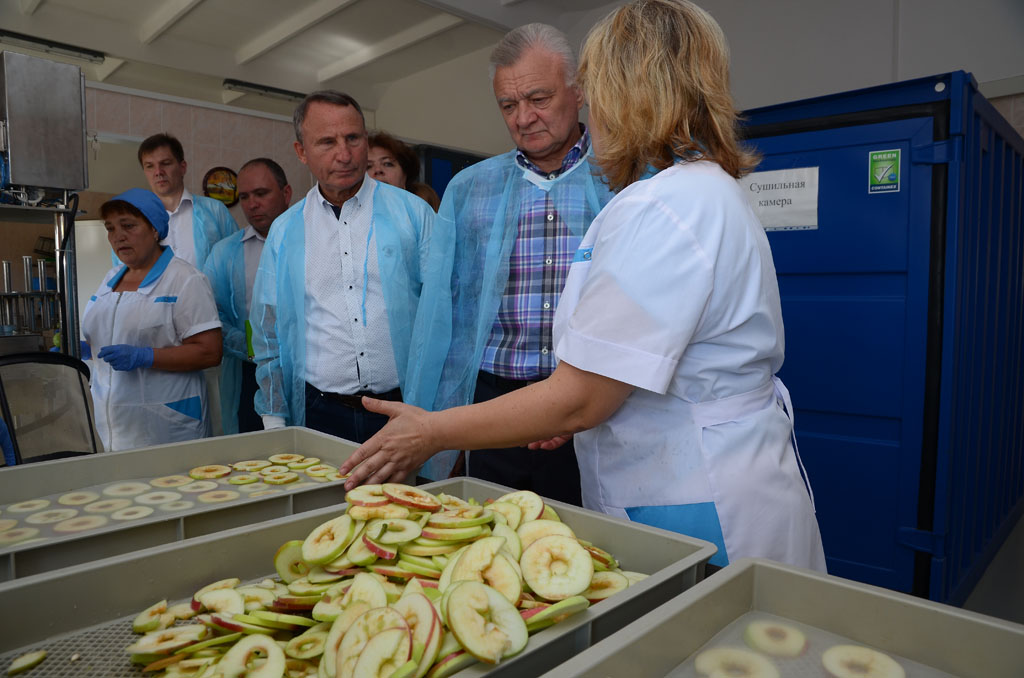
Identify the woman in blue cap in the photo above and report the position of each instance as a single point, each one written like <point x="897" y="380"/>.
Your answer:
<point x="154" y="323"/>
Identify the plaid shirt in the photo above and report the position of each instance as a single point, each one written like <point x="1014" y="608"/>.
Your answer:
<point x="520" y="346"/>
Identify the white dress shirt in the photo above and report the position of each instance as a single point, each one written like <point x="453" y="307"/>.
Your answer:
<point x="346" y="351"/>
<point x="179" y="232"/>
<point x="252" y="248"/>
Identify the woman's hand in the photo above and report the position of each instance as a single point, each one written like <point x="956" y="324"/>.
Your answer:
<point x="124" y="357"/>
<point x="550" y="443"/>
<point x="396" y="450"/>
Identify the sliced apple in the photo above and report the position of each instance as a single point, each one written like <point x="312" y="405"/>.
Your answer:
<point x="25" y="662"/>
<point x="209" y="472"/>
<point x="149" y="619"/>
<point x="360" y="554"/>
<point x="78" y="498"/>
<point x="545" y="615"/>
<point x="392" y="531"/>
<point x="228" y="583"/>
<point x="451" y="664"/>
<point x="734" y="661"/>
<point x="289" y="602"/>
<point x="307" y="645"/>
<point x="240" y="660"/>
<point x="468" y="516"/>
<point x="415" y="549"/>
<point x="245" y="479"/>
<point x="426" y="628"/>
<point x="304" y="587"/>
<point x="549" y="513"/>
<point x="182" y="611"/>
<point x="303" y="463"/>
<point x="282" y="478"/>
<point x="209" y="642"/>
<point x="380" y="550"/>
<point x="80" y="523"/>
<point x="222" y="620"/>
<point x="512" y="543"/>
<point x="354" y="640"/>
<point x="454" y="533"/>
<point x="606" y="560"/>
<point x="529" y="502"/>
<point x="413" y="497"/>
<point x="775" y="638"/>
<point x="292" y="620"/>
<point x="385" y="511"/>
<point x="484" y="622"/>
<point x="383" y="655"/>
<point x="511" y="512"/>
<point x="321" y="470"/>
<point x="327" y="541"/>
<point x="604" y="585"/>
<point x="197" y="486"/>
<point x="165" y="482"/>
<point x="289" y="563"/>
<point x="450" y="501"/>
<point x="222" y="600"/>
<point x="557" y="567"/>
<point x="166" y="641"/>
<point x="54" y="515"/>
<point x="367" y="495"/>
<point x="849" y="661"/>
<point x="535" y="529"/>
<point x="251" y="465"/>
<point x="107" y="505"/>
<point x="128" y="489"/>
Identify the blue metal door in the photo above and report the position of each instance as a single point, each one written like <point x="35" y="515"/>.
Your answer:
<point x="855" y="304"/>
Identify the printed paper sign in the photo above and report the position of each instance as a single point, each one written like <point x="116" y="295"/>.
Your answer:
<point x="784" y="200"/>
<point x="884" y="171"/>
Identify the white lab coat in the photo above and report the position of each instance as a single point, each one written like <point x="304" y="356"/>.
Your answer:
<point x="673" y="290"/>
<point x="146" y="407"/>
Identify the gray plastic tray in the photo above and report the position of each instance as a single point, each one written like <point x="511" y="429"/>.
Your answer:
<point x="30" y="481"/>
<point x="946" y="638"/>
<point x="88" y="610"/>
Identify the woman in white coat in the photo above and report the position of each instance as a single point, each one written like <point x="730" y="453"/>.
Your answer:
<point x="153" y="327"/>
<point x="669" y="330"/>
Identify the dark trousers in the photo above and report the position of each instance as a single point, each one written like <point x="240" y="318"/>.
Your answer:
<point x="248" y="420"/>
<point x="334" y="418"/>
<point x="550" y="473"/>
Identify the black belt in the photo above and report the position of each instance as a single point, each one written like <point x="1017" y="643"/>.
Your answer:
<point x="355" y="400"/>
<point x="504" y="383"/>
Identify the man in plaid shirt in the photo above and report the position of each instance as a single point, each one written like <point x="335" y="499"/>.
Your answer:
<point x="514" y="222"/>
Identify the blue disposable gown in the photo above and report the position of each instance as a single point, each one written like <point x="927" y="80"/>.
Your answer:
<point x="401" y="228"/>
<point x="225" y="269"/>
<point x="467" y="271"/>
<point x="211" y="223"/>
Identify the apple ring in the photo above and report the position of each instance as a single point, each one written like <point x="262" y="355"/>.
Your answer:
<point x="7" y="523"/>
<point x="250" y="465"/>
<point x="177" y="505"/>
<point x="280" y="478"/>
<point x="78" y="498"/>
<point x="734" y="661"/>
<point x="125" y="489"/>
<point x="198" y="486"/>
<point x="264" y="493"/>
<point x="271" y="470"/>
<point x="170" y="481"/>
<point x="132" y="513"/>
<point x="17" y="534"/>
<point x="244" y="479"/>
<point x="320" y="470"/>
<point x="217" y="496"/>
<point x="557" y="567"/>
<point x="51" y="516"/>
<point x="303" y="463"/>
<point x="155" y="498"/>
<point x="30" y="506"/>
<point x="848" y="661"/>
<point x="286" y="458"/>
<point x="107" y="505"/>
<point x="80" y="524"/>
<point x="209" y="471"/>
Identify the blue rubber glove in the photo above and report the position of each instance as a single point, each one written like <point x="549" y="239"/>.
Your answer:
<point x="124" y="357"/>
<point x="85" y="350"/>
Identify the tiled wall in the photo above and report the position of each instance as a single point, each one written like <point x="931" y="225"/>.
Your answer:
<point x="1012" y="108"/>
<point x="210" y="137"/>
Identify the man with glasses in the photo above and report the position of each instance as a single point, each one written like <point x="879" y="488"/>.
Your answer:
<point x="338" y="283"/>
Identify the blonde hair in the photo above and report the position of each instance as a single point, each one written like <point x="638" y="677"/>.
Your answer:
<point x="656" y="77"/>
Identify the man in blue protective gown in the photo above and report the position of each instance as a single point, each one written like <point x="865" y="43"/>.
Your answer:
<point x="197" y="222"/>
<point x="338" y="283"/>
<point x="264" y="194"/>
<point x="505" y="236"/>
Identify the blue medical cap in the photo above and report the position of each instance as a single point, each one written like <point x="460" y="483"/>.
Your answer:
<point x="150" y="206"/>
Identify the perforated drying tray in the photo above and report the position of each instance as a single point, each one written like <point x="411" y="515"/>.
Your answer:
<point x="41" y="479"/>
<point x="88" y="610"/>
<point x="939" y="636"/>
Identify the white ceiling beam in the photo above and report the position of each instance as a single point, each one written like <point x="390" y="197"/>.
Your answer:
<point x="288" y="29"/>
<point x="103" y="71"/>
<point x="28" y="7"/>
<point x="170" y="12"/>
<point x="400" y="40"/>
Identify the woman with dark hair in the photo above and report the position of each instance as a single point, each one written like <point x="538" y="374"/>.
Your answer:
<point x="669" y="330"/>
<point x="395" y="163"/>
<point x="153" y="327"/>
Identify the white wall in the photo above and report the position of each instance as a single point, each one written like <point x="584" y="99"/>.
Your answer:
<point x="785" y="50"/>
<point x="448" y="105"/>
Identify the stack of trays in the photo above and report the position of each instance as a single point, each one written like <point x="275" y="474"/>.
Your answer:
<point x="96" y="476"/>
<point x="87" y="610"/>
<point x="926" y="639"/>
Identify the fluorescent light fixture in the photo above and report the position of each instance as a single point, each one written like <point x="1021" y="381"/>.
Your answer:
<point x="262" y="90"/>
<point x="50" y="46"/>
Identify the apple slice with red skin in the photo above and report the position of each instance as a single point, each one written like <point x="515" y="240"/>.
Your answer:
<point x="167" y="641"/>
<point x="238" y="661"/>
<point x="451" y="664"/>
<point x="543" y="617"/>
<point x="529" y="502"/>
<point x="229" y="583"/>
<point x="423" y="620"/>
<point x="367" y="495"/>
<point x="468" y="516"/>
<point x="354" y="640"/>
<point x="149" y="619"/>
<point x="604" y="585"/>
<point x="380" y="550"/>
<point x="229" y="623"/>
<point x="328" y="540"/>
<point x="413" y="497"/>
<point x="383" y="655"/>
<point x="451" y="534"/>
<point x="484" y="622"/>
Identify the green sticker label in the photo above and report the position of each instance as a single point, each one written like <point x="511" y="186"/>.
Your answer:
<point x="884" y="171"/>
